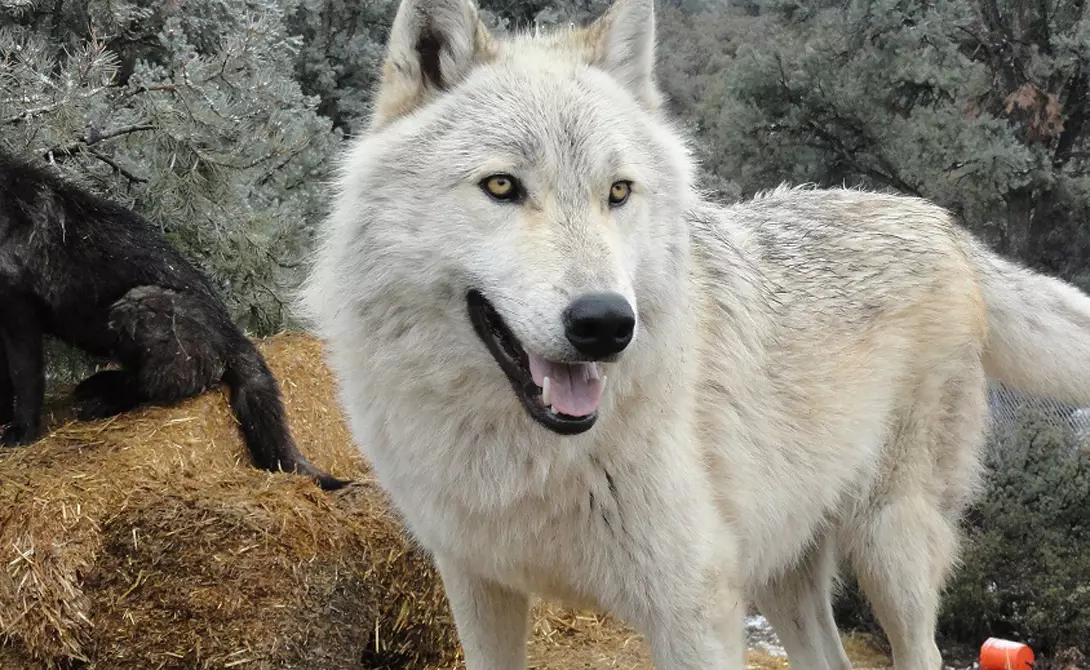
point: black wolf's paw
(92, 409)
(18, 434)
(103, 394)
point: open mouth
(563, 397)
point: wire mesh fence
(1012, 410)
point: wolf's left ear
(433, 45)
(622, 42)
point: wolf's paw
(18, 434)
(103, 394)
(94, 408)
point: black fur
(99, 276)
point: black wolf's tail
(256, 401)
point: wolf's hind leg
(900, 556)
(903, 542)
(799, 607)
(169, 342)
(177, 345)
(166, 352)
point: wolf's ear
(622, 42)
(433, 44)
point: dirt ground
(568, 640)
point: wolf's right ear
(433, 44)
(622, 41)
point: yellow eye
(619, 192)
(501, 187)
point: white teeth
(546, 397)
(604, 380)
(592, 372)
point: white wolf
(790, 381)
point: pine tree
(978, 104)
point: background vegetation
(218, 119)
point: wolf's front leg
(702, 644)
(21, 338)
(492, 620)
(708, 635)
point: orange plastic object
(998, 654)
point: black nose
(599, 324)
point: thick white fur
(806, 383)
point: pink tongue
(574, 388)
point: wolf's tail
(1038, 329)
(256, 401)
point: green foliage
(978, 104)
(341, 57)
(1026, 572)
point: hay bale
(147, 540)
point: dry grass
(148, 541)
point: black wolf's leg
(21, 337)
(105, 394)
(7, 398)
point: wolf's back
(1038, 329)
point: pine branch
(847, 154)
(93, 138)
(169, 88)
(833, 143)
(133, 179)
(272, 258)
(32, 112)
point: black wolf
(98, 276)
